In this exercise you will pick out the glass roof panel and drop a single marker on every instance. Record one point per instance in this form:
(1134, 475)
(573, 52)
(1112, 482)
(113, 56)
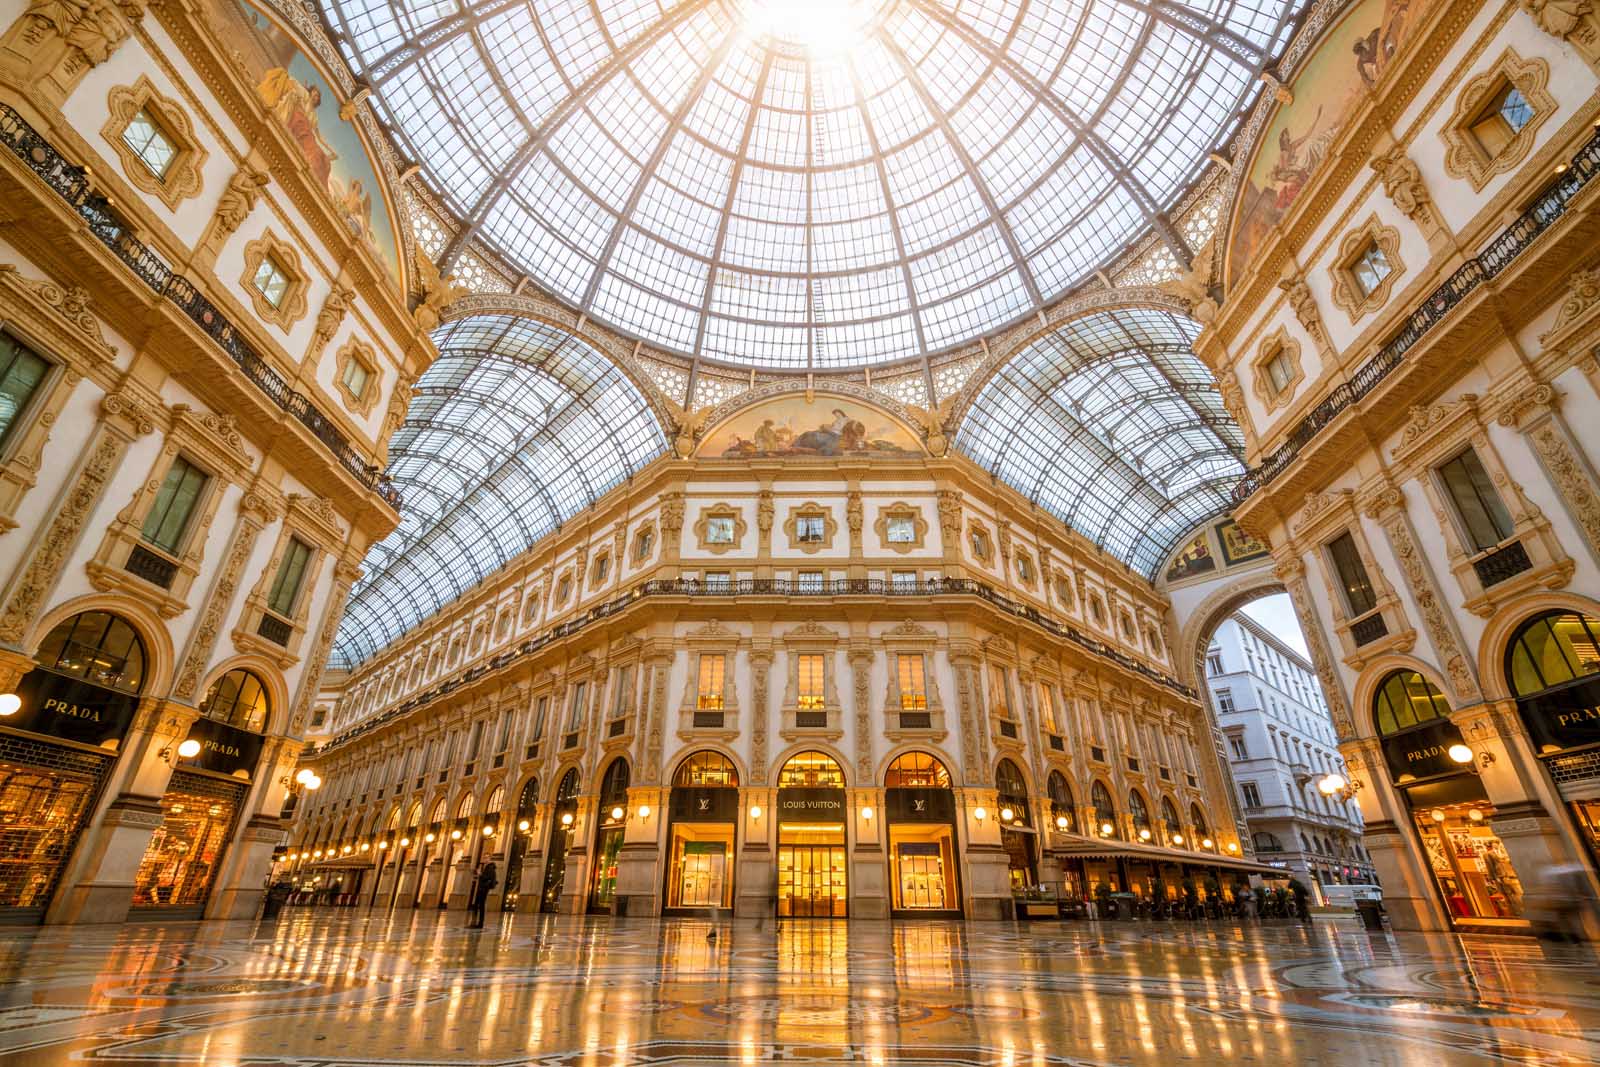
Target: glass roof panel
(1110, 423)
(515, 428)
(825, 183)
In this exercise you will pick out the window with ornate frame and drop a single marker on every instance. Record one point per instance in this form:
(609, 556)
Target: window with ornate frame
(1276, 370)
(1496, 119)
(901, 528)
(356, 375)
(599, 570)
(644, 542)
(811, 696)
(979, 541)
(912, 706)
(810, 527)
(1367, 267)
(720, 529)
(155, 142)
(1025, 569)
(275, 281)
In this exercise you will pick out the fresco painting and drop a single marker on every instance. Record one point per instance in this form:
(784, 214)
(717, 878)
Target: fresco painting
(1329, 89)
(823, 426)
(1238, 546)
(1195, 559)
(301, 99)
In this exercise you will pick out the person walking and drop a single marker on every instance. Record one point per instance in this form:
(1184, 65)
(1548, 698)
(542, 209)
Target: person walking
(482, 885)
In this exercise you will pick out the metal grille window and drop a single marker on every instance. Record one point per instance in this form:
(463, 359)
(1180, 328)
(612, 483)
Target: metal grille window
(175, 503)
(809, 668)
(291, 574)
(1358, 594)
(913, 686)
(21, 371)
(1482, 513)
(181, 861)
(709, 692)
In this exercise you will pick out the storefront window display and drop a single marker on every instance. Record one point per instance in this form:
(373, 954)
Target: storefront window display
(922, 850)
(703, 809)
(180, 864)
(812, 878)
(610, 824)
(1017, 835)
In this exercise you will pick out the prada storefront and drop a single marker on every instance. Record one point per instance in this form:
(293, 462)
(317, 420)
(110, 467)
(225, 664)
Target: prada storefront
(1553, 668)
(200, 808)
(702, 812)
(58, 744)
(921, 817)
(811, 849)
(1449, 809)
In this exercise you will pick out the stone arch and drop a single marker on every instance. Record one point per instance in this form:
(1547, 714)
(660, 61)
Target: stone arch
(278, 712)
(1022, 769)
(719, 748)
(927, 749)
(160, 662)
(1497, 635)
(798, 747)
(1210, 613)
(1366, 688)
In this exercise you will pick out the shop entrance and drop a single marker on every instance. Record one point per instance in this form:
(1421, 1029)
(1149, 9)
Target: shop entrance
(702, 810)
(611, 820)
(1017, 835)
(920, 808)
(813, 882)
(811, 877)
(555, 856)
(180, 864)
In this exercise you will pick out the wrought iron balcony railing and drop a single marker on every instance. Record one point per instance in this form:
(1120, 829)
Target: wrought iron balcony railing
(758, 587)
(71, 183)
(1485, 266)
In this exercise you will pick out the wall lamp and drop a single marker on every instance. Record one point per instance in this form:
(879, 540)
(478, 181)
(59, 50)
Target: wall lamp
(1464, 755)
(305, 778)
(188, 748)
(10, 704)
(980, 813)
(1338, 785)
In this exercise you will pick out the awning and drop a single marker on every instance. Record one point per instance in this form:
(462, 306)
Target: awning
(1107, 850)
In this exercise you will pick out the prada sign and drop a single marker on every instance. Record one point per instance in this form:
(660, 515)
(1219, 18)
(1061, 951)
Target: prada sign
(811, 805)
(1420, 754)
(72, 709)
(225, 749)
(1564, 718)
(920, 805)
(690, 803)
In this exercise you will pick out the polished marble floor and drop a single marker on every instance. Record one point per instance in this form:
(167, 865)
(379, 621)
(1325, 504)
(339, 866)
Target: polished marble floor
(332, 988)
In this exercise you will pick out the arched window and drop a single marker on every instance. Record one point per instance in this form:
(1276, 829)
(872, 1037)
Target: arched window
(98, 647)
(1139, 811)
(440, 808)
(529, 797)
(394, 817)
(614, 786)
(1266, 842)
(1406, 699)
(1061, 803)
(464, 809)
(1105, 812)
(1009, 784)
(1202, 829)
(239, 699)
(415, 818)
(496, 800)
(1552, 649)
(567, 791)
(916, 770)
(707, 768)
(811, 770)
(1169, 819)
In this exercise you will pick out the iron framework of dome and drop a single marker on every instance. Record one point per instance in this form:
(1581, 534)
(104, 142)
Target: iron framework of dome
(690, 174)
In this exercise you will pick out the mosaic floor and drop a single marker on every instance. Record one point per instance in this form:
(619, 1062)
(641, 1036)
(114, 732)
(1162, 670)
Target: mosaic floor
(333, 988)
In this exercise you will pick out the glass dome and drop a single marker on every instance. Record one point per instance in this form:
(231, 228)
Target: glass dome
(820, 183)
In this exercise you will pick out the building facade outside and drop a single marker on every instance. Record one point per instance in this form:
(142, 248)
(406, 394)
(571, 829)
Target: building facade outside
(1280, 744)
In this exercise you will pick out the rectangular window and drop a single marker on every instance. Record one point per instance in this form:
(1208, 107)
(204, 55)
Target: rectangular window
(1279, 372)
(913, 684)
(1047, 707)
(719, 530)
(709, 693)
(903, 581)
(902, 530)
(150, 143)
(575, 706)
(271, 281)
(1239, 749)
(718, 581)
(355, 378)
(539, 711)
(1252, 795)
(808, 529)
(21, 371)
(1225, 701)
(504, 741)
(1503, 116)
(1358, 594)
(1370, 269)
(1214, 663)
(1477, 504)
(602, 567)
(291, 573)
(475, 744)
(810, 581)
(176, 501)
(624, 694)
(808, 683)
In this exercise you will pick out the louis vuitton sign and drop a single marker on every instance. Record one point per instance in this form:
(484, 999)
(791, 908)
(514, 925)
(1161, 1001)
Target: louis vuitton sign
(920, 805)
(703, 804)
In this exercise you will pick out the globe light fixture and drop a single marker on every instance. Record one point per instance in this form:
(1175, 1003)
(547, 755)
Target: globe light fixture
(455, 835)
(566, 818)
(488, 831)
(1460, 753)
(1233, 846)
(405, 842)
(755, 811)
(866, 813)
(188, 748)
(1006, 815)
(10, 703)
(1105, 829)
(617, 812)
(1177, 839)
(522, 824)
(1474, 814)
(427, 839)
(382, 845)
(1438, 815)
(365, 847)
(1144, 835)
(980, 813)
(1331, 784)
(1208, 843)
(1061, 822)
(644, 811)
(304, 775)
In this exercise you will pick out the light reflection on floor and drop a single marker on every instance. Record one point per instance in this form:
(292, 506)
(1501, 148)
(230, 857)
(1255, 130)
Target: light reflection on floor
(333, 988)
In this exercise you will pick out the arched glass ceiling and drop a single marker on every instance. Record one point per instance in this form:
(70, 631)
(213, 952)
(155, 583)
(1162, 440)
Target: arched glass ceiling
(810, 182)
(1112, 424)
(513, 430)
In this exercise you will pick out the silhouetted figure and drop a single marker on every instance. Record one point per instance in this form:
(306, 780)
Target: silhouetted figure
(482, 885)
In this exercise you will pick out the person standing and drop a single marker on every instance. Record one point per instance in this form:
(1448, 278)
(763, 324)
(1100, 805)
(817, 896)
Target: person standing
(482, 885)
